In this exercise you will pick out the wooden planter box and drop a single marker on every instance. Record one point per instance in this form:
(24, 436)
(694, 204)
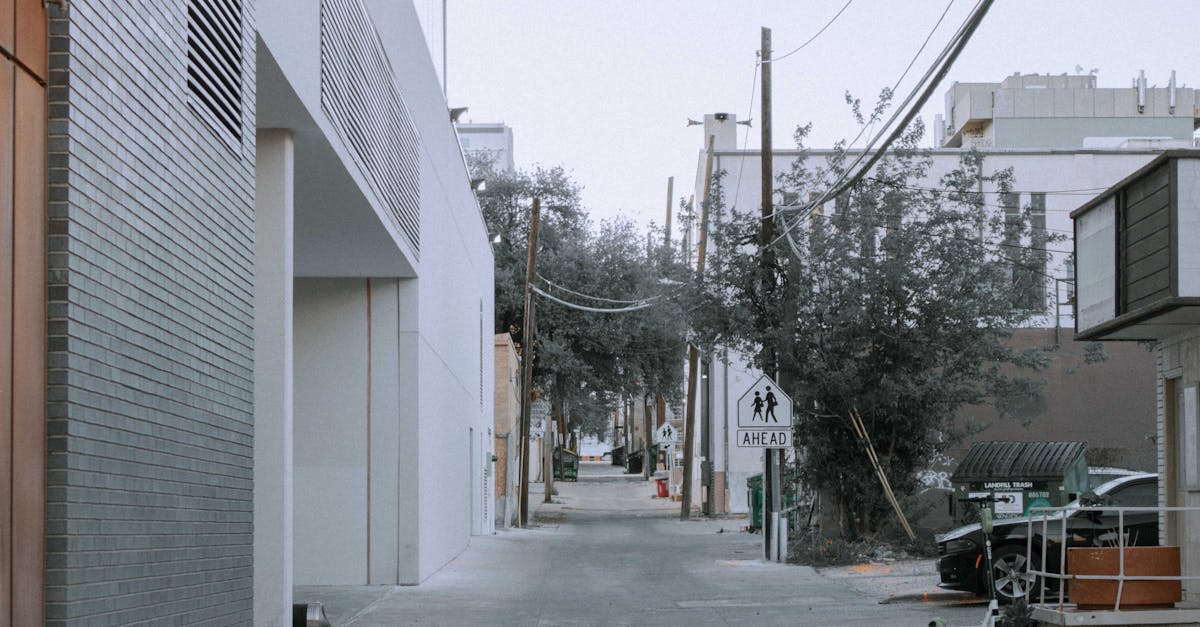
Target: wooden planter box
(1139, 560)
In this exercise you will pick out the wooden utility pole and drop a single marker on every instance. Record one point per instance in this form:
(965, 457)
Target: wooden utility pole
(647, 439)
(689, 422)
(772, 502)
(667, 228)
(527, 363)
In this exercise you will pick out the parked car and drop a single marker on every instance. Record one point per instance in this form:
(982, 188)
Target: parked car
(961, 551)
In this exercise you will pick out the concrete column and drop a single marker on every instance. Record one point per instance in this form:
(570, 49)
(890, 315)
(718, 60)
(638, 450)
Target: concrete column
(409, 462)
(273, 370)
(384, 434)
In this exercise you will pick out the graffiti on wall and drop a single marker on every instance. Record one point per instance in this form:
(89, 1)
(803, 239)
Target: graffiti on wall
(937, 476)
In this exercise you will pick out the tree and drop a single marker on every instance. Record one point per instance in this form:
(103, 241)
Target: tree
(896, 302)
(586, 360)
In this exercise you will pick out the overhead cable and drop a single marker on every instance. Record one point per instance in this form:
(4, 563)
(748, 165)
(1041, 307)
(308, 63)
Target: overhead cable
(585, 307)
(931, 80)
(598, 298)
(895, 85)
(814, 37)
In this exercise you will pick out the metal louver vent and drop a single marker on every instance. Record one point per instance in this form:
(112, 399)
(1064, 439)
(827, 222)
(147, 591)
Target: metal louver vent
(359, 94)
(214, 56)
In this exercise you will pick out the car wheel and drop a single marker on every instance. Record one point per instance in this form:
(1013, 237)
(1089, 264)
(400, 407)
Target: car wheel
(1010, 572)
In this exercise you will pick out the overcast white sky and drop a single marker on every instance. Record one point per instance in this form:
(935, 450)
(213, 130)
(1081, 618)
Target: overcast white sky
(604, 88)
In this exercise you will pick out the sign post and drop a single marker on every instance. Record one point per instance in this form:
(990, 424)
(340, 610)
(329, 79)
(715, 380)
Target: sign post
(765, 421)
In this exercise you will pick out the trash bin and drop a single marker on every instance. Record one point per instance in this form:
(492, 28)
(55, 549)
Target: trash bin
(662, 489)
(633, 462)
(566, 465)
(755, 497)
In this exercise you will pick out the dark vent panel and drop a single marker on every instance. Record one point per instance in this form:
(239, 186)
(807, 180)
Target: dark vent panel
(215, 63)
(359, 94)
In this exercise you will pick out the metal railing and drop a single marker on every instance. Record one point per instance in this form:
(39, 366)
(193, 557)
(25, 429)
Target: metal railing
(1062, 516)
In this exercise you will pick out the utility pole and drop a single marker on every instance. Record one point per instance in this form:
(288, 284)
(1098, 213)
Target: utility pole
(771, 457)
(548, 460)
(667, 228)
(527, 363)
(689, 424)
(647, 439)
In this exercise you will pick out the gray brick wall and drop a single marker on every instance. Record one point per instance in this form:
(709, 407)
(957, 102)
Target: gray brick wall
(150, 416)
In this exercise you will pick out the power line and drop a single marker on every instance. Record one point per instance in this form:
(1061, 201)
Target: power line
(585, 307)
(597, 298)
(895, 85)
(932, 78)
(746, 141)
(814, 37)
(911, 63)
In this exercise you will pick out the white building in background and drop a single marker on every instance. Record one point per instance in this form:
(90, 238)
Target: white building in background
(491, 138)
(373, 385)
(1065, 140)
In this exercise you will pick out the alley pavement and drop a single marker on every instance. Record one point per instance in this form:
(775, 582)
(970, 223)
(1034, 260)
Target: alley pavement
(606, 552)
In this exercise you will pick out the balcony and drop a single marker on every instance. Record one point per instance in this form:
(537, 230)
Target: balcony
(1137, 254)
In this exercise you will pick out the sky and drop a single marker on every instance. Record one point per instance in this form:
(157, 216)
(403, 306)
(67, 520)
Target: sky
(605, 88)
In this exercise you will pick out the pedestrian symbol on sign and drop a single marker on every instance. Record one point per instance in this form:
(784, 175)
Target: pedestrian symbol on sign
(764, 405)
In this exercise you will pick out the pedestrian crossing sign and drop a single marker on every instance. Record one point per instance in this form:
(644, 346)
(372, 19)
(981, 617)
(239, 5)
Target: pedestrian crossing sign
(764, 406)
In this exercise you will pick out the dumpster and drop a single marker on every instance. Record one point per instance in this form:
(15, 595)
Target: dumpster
(755, 486)
(566, 465)
(618, 456)
(633, 462)
(1011, 477)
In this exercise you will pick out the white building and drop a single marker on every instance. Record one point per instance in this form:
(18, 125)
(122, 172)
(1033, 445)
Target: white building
(1063, 137)
(373, 366)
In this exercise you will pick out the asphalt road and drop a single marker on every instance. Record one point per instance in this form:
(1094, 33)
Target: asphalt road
(606, 552)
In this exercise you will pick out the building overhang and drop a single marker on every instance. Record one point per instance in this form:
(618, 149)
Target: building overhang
(1137, 254)
(1166, 318)
(339, 231)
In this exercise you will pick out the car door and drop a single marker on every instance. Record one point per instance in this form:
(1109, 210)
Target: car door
(1096, 528)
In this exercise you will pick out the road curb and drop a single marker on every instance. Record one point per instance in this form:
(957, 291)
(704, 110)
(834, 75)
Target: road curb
(929, 597)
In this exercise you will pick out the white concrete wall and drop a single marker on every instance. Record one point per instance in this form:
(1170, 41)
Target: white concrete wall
(729, 382)
(428, 389)
(273, 379)
(1096, 294)
(386, 413)
(331, 431)
(1188, 234)
(454, 304)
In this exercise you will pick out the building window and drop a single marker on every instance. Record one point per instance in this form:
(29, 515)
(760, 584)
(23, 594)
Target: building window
(214, 57)
(1027, 257)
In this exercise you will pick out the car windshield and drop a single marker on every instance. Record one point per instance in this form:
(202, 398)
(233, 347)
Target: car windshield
(1124, 484)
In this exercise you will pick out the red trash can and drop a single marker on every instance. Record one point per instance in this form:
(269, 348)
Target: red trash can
(662, 489)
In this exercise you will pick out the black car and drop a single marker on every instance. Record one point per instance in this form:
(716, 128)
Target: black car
(961, 551)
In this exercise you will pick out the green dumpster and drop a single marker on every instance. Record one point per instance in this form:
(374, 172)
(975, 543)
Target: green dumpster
(755, 486)
(566, 465)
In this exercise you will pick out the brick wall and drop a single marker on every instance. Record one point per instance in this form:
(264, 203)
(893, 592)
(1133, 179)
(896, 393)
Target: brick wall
(150, 424)
(506, 415)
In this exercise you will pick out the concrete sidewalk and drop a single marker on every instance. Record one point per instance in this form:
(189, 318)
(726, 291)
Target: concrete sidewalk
(605, 552)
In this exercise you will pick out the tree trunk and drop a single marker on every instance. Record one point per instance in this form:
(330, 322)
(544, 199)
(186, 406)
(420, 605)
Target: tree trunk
(831, 514)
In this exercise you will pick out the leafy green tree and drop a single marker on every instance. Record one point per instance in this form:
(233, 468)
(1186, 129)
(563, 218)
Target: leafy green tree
(894, 300)
(585, 360)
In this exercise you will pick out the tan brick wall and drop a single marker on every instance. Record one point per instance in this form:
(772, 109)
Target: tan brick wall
(507, 408)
